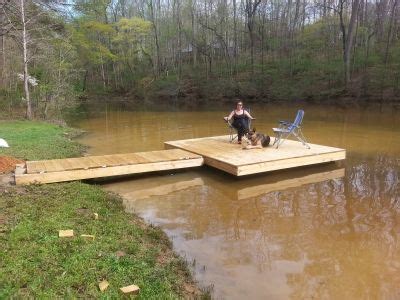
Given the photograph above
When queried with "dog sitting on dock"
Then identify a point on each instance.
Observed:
(257, 140)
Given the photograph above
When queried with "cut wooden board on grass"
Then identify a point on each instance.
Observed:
(87, 236)
(130, 289)
(103, 285)
(65, 233)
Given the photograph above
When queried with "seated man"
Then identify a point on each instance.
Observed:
(240, 120)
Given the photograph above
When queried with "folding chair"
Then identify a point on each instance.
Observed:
(287, 128)
(233, 135)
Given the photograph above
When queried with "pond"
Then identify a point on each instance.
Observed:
(325, 231)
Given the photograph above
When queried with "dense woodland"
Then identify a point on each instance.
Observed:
(54, 53)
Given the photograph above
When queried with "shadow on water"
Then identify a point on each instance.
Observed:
(324, 231)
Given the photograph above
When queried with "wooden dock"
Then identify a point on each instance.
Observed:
(216, 152)
(58, 170)
(219, 153)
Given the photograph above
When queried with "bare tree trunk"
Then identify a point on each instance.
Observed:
(388, 41)
(179, 22)
(350, 40)
(103, 75)
(3, 62)
(344, 36)
(155, 29)
(84, 80)
(192, 14)
(235, 49)
(29, 113)
(251, 9)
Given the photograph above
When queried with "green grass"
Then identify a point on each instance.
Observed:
(37, 140)
(36, 263)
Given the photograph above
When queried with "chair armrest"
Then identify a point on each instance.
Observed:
(285, 122)
(280, 130)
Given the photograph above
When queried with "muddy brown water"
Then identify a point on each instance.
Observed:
(321, 232)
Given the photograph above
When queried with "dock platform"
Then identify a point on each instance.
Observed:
(215, 151)
(219, 153)
(59, 170)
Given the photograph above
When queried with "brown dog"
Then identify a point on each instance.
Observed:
(257, 140)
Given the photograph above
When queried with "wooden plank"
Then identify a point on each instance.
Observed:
(106, 172)
(231, 169)
(56, 165)
(89, 163)
(20, 169)
(35, 167)
(290, 163)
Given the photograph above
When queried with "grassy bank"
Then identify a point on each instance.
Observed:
(35, 262)
(38, 140)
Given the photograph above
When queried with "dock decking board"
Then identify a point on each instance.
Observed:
(218, 152)
(58, 170)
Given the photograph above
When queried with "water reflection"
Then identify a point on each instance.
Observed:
(322, 232)
(318, 235)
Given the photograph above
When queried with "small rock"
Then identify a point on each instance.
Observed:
(189, 289)
(65, 233)
(96, 216)
(130, 289)
(120, 253)
(103, 285)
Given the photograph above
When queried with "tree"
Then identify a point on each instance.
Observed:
(251, 10)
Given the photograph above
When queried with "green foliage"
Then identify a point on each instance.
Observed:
(102, 50)
(129, 35)
(88, 37)
(136, 27)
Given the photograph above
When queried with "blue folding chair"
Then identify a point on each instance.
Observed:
(287, 128)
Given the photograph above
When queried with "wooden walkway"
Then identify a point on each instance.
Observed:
(58, 170)
(216, 152)
(219, 153)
